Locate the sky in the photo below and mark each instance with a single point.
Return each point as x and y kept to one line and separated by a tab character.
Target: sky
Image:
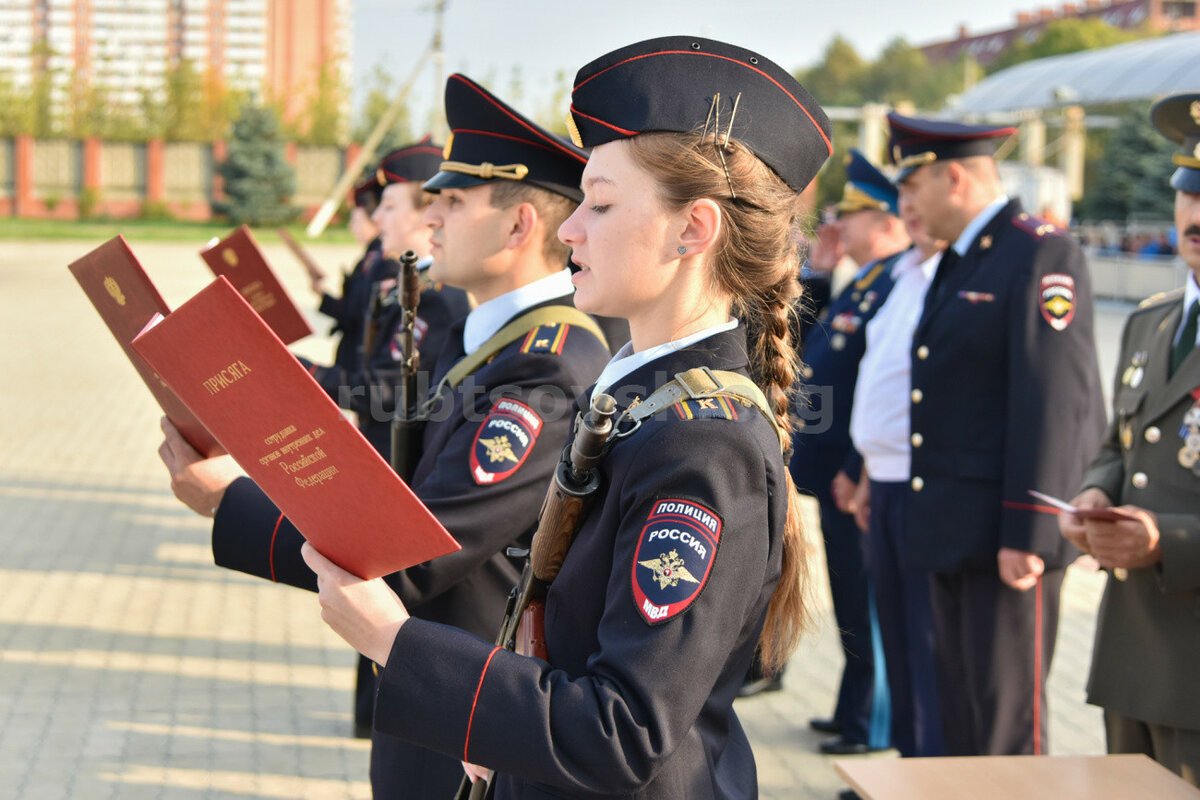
486	38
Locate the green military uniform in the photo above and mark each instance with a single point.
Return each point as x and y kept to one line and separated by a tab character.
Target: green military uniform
1147	652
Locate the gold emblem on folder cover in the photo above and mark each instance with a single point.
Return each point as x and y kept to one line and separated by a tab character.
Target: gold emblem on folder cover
114	290
229	256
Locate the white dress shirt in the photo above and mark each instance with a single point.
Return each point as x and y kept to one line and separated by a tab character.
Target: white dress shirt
1191	293
626	361
879	423
487	318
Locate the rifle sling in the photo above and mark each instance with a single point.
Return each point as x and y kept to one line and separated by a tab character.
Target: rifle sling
545	315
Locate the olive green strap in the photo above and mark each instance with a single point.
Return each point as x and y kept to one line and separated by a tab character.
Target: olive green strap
546	315
700	383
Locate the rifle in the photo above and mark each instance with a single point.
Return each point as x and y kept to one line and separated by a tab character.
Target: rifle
407	423
576	481
310	265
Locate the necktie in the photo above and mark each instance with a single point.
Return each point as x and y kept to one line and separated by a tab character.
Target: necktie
1187	339
945	266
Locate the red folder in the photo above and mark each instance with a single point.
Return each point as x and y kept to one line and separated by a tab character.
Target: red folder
282	428
126	300
238	258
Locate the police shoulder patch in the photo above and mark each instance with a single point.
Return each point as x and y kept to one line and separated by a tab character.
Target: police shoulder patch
707	408
674	558
546	339
1057	299
504	440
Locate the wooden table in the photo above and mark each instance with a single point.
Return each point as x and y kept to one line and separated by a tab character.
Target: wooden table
1117	777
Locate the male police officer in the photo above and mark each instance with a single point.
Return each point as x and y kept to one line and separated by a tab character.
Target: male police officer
1147	645
1005	398
510	370
824	462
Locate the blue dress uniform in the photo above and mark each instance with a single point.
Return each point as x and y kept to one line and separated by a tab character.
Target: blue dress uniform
833	349
636	699
1006	398
1144	663
486	495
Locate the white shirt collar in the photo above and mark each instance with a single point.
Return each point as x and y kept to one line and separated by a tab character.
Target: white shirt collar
626	361
1191	293
963	243
487	318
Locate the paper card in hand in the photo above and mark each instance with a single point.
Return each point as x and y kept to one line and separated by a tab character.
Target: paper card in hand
278	423
123	295
239	258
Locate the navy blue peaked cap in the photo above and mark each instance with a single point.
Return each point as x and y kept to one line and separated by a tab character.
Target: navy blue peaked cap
490	141
867	187
412	163
916	142
1178	118
367	193
672	83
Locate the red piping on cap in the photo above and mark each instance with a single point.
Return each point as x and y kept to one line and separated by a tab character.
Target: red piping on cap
778	85
481	92
608	125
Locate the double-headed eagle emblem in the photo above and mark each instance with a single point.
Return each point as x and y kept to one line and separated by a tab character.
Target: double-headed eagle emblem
499	449
669	569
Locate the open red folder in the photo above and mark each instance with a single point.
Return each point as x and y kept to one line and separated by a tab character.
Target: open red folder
239	258
239	379
126	300
1057	506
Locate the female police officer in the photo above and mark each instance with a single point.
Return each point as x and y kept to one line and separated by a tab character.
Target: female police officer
690	554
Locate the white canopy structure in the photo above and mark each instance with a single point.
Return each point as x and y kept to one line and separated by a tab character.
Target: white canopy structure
1140	70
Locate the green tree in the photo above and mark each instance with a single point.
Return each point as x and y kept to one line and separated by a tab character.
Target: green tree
181	115
258	180
836	80
553	114
381	94
1067	36
321	122
1136	169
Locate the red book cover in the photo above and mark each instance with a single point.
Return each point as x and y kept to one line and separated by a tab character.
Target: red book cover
238	258
279	424
126	300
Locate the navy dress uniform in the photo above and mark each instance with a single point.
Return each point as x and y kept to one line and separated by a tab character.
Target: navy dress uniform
833	348
1147	649
1006	398
482	479
636	698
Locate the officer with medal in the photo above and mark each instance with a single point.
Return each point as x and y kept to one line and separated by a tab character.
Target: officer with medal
825	464
507	380
1148	634
1005	399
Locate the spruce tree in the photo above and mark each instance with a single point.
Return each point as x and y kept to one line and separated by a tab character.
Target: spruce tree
258	180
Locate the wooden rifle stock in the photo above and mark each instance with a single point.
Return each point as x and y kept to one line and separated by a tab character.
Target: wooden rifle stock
406	423
575	483
310	264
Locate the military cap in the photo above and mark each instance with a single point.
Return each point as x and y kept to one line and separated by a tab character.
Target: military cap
867	187
412	163
916	142
489	140
684	83
1178	118
367	193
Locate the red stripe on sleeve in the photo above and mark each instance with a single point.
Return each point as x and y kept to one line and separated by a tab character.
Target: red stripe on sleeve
271	553
478	689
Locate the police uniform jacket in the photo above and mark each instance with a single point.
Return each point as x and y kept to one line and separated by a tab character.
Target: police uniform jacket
370	389
1148	633
525	393
349	311
833	349
1005	396
650	626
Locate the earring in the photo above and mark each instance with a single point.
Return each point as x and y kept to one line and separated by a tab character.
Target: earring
681	250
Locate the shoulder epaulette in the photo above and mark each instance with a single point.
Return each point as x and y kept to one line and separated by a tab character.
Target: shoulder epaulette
1160	298
1036	226
546	339
708	408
